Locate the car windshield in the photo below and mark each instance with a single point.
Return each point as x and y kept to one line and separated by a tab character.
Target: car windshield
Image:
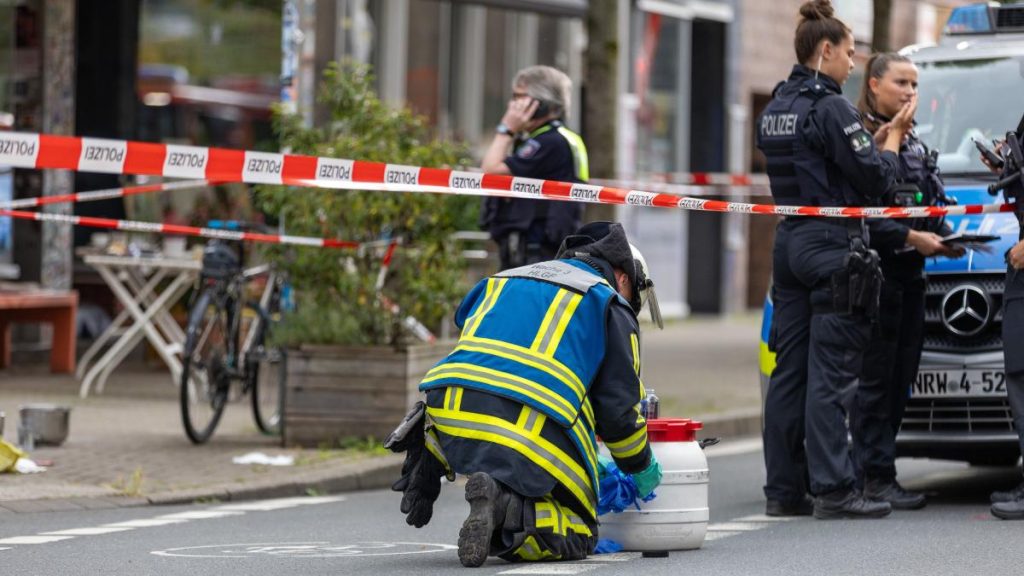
968	99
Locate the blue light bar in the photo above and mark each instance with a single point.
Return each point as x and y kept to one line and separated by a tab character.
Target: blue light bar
970	19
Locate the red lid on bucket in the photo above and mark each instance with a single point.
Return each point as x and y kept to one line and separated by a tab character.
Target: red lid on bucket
673	430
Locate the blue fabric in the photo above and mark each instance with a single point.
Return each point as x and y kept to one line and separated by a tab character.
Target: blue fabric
606	546
618	489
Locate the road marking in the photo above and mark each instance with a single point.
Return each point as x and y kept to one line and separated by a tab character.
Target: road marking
304	550
146	523
613	557
2	549
711	536
88	531
202	514
766	518
734	448
278	504
734	527
551	568
171	519
34	539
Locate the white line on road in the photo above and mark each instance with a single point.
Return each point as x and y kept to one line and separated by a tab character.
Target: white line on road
171	519
552	569
34	539
2	549
734	527
765	518
88	531
613	557
719	535
201	514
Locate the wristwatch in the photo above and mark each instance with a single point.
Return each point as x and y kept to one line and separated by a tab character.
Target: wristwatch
503	129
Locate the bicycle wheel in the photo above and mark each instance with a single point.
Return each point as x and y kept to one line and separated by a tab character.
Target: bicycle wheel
268	371
205	378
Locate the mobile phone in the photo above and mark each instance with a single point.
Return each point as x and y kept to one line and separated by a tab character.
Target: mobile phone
543	109
989	155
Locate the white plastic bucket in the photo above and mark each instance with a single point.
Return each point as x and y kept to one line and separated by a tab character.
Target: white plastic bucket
677	519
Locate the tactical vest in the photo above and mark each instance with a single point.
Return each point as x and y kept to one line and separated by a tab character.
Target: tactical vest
918	169
580	159
536	335
779	137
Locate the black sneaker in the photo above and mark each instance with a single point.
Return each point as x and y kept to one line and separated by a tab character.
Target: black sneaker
894	494
486	512
803	507
848	503
1011	510
1009	495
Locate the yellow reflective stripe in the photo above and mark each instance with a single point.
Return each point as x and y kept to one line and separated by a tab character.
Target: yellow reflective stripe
634	342
631	446
582	434
545	515
540	451
766	359
433	445
529	550
579	153
588	412
546	325
494	287
524	356
505	381
563	323
531	420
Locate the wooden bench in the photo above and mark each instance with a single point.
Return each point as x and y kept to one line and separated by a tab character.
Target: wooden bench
41	306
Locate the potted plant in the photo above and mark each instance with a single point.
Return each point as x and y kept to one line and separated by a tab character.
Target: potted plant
352	367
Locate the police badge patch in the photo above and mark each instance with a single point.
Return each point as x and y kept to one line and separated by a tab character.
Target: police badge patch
861	142
528	149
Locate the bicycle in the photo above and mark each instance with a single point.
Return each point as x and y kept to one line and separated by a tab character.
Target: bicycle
221	349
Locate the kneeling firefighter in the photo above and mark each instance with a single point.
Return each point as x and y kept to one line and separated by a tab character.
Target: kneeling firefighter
548	357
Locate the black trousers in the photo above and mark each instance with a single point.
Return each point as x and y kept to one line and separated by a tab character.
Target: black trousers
890	366
515	250
1013	347
818	358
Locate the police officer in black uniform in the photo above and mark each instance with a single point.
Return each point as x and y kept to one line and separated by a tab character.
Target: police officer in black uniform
825	279
1009	504
894	352
530	231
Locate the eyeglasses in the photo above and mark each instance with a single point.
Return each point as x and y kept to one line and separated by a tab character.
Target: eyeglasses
518	95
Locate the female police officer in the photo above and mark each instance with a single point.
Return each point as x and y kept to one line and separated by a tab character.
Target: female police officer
894	352
825	280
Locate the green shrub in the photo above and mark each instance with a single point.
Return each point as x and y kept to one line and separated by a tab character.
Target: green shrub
334	290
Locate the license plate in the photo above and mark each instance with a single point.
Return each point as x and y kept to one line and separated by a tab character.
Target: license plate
958	383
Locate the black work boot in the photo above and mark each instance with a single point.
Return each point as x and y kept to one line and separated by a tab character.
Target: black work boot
487	503
890	491
802	507
848	503
1008	495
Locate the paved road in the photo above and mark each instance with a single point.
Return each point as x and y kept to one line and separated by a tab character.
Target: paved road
362	533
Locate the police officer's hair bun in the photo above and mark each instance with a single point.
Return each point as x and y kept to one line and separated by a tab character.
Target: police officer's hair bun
818	23
817	10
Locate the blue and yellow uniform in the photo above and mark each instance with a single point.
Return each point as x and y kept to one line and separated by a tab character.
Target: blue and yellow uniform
547	359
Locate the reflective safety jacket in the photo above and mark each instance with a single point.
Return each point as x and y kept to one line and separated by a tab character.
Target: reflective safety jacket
536	337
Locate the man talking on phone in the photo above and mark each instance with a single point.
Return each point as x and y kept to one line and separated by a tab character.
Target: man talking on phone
531	141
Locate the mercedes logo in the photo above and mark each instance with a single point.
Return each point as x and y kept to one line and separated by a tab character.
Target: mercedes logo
966	310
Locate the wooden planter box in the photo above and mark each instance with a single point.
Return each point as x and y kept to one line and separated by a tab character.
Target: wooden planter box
335	392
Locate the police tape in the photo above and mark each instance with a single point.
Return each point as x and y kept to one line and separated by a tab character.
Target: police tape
178	230
105	194
41	151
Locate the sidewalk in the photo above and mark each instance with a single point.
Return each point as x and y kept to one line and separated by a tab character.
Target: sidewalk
126	447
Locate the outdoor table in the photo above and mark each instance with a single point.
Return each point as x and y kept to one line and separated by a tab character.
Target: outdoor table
138	283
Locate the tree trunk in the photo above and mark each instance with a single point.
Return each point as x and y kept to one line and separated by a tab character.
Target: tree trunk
600	110
880	30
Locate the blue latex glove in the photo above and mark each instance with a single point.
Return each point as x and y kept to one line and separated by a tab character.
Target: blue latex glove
649	478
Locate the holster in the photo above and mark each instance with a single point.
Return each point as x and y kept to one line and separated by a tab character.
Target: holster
857	287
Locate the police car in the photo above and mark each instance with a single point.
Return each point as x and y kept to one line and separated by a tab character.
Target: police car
971	87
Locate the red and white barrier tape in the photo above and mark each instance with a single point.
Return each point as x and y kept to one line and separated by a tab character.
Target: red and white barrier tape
102	194
24	150
174	229
695	190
